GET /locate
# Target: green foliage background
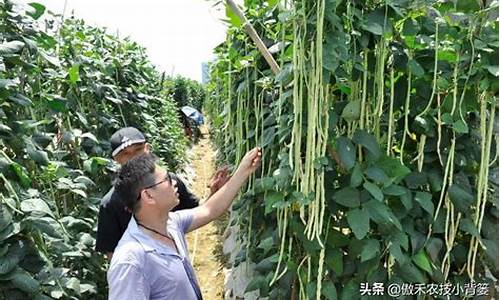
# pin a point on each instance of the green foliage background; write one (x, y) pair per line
(63, 91)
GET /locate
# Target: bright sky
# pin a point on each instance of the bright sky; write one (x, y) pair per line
(179, 34)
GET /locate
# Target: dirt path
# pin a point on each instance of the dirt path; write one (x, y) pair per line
(205, 244)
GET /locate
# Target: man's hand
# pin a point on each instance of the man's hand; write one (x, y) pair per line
(219, 179)
(250, 162)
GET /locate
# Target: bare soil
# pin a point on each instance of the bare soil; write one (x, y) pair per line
(205, 244)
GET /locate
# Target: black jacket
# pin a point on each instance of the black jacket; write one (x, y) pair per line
(113, 217)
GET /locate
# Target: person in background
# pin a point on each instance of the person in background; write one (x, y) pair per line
(151, 260)
(113, 219)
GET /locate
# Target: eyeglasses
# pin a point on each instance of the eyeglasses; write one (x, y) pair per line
(167, 178)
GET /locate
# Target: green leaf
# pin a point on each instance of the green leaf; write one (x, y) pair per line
(272, 198)
(380, 213)
(334, 260)
(350, 291)
(233, 18)
(374, 190)
(359, 222)
(38, 12)
(368, 141)
(10, 261)
(21, 173)
(371, 249)
(346, 152)
(328, 290)
(460, 127)
(37, 206)
(25, 282)
(422, 261)
(73, 284)
(493, 70)
(356, 176)
(468, 226)
(433, 246)
(394, 190)
(351, 111)
(74, 73)
(377, 175)
(425, 201)
(491, 250)
(256, 283)
(20, 99)
(5, 217)
(460, 198)
(393, 168)
(347, 196)
(395, 251)
(11, 47)
(50, 59)
(374, 23)
(415, 68)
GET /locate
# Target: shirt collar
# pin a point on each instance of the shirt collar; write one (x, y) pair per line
(148, 243)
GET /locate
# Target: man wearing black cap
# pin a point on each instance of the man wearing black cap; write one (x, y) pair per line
(113, 220)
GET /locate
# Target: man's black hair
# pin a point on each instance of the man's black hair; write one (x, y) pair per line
(133, 176)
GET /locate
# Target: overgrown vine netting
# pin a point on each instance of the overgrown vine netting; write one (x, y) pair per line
(380, 138)
(63, 92)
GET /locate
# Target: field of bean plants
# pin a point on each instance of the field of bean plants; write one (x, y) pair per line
(379, 133)
(64, 89)
(380, 138)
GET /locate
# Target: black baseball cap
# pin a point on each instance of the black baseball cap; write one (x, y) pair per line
(125, 137)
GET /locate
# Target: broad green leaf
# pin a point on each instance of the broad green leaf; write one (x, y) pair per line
(351, 111)
(356, 176)
(347, 196)
(256, 283)
(400, 257)
(328, 290)
(74, 73)
(73, 284)
(50, 59)
(39, 9)
(422, 261)
(5, 217)
(380, 213)
(493, 70)
(375, 23)
(491, 250)
(425, 201)
(36, 205)
(346, 152)
(21, 173)
(233, 18)
(25, 282)
(334, 259)
(359, 222)
(415, 68)
(10, 261)
(468, 226)
(371, 249)
(374, 190)
(272, 198)
(350, 291)
(433, 246)
(11, 47)
(393, 168)
(378, 175)
(368, 141)
(460, 127)
(394, 190)
(460, 198)
(20, 99)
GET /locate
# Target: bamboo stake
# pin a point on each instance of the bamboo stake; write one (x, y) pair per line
(254, 36)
